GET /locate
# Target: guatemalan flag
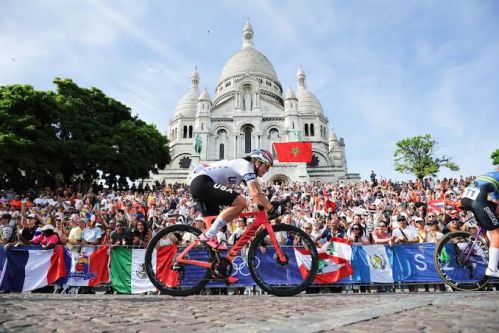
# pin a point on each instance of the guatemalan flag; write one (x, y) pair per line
(30, 268)
(374, 263)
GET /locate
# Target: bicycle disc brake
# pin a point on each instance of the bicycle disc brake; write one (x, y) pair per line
(222, 268)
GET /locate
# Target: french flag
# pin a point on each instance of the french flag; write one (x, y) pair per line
(30, 268)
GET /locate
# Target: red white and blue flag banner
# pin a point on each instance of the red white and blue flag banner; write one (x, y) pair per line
(32, 268)
(436, 206)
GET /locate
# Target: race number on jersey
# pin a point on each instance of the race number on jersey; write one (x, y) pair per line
(471, 193)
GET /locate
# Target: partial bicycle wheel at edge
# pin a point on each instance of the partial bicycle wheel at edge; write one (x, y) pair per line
(283, 278)
(460, 262)
(165, 273)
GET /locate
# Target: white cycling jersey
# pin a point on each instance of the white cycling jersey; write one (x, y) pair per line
(226, 172)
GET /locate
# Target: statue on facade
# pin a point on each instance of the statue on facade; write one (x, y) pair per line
(198, 145)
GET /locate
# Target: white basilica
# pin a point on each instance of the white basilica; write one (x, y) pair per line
(249, 109)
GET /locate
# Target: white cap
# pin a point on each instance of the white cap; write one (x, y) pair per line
(48, 227)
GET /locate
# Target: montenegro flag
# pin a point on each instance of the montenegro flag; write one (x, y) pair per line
(294, 151)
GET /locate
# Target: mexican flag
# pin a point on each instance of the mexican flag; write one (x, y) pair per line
(334, 261)
(89, 269)
(128, 274)
(294, 151)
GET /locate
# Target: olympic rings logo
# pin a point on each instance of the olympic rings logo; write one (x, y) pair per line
(240, 266)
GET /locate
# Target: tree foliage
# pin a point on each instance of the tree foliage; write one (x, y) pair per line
(73, 132)
(495, 157)
(417, 155)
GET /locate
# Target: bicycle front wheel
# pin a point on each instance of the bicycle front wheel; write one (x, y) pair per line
(168, 275)
(461, 260)
(286, 278)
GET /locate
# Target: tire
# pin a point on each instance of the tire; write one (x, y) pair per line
(191, 278)
(259, 262)
(459, 268)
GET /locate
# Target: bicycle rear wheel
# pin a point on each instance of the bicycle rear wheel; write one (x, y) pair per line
(165, 273)
(283, 278)
(461, 260)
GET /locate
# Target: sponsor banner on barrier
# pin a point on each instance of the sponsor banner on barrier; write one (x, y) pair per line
(414, 263)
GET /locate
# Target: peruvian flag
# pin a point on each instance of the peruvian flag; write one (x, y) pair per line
(294, 151)
(89, 269)
(334, 261)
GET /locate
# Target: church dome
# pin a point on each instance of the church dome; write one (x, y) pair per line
(248, 60)
(187, 105)
(290, 93)
(307, 102)
(204, 96)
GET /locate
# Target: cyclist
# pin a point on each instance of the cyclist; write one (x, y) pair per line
(210, 185)
(476, 199)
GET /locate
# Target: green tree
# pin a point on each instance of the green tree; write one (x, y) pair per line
(73, 132)
(495, 157)
(416, 156)
(99, 133)
(28, 143)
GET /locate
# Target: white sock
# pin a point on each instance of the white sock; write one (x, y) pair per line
(493, 258)
(215, 226)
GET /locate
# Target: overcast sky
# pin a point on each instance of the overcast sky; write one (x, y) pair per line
(382, 70)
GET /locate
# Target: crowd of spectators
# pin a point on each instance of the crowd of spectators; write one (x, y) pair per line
(368, 212)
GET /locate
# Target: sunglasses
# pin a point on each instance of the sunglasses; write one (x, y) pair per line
(355, 229)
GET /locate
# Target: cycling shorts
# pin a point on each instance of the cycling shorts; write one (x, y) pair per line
(211, 195)
(484, 210)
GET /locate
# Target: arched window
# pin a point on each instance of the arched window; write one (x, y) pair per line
(273, 134)
(312, 130)
(221, 153)
(190, 131)
(306, 129)
(247, 138)
(185, 132)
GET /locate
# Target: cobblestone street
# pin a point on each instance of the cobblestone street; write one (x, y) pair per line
(418, 312)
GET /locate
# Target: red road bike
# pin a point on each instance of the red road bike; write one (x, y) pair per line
(190, 264)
